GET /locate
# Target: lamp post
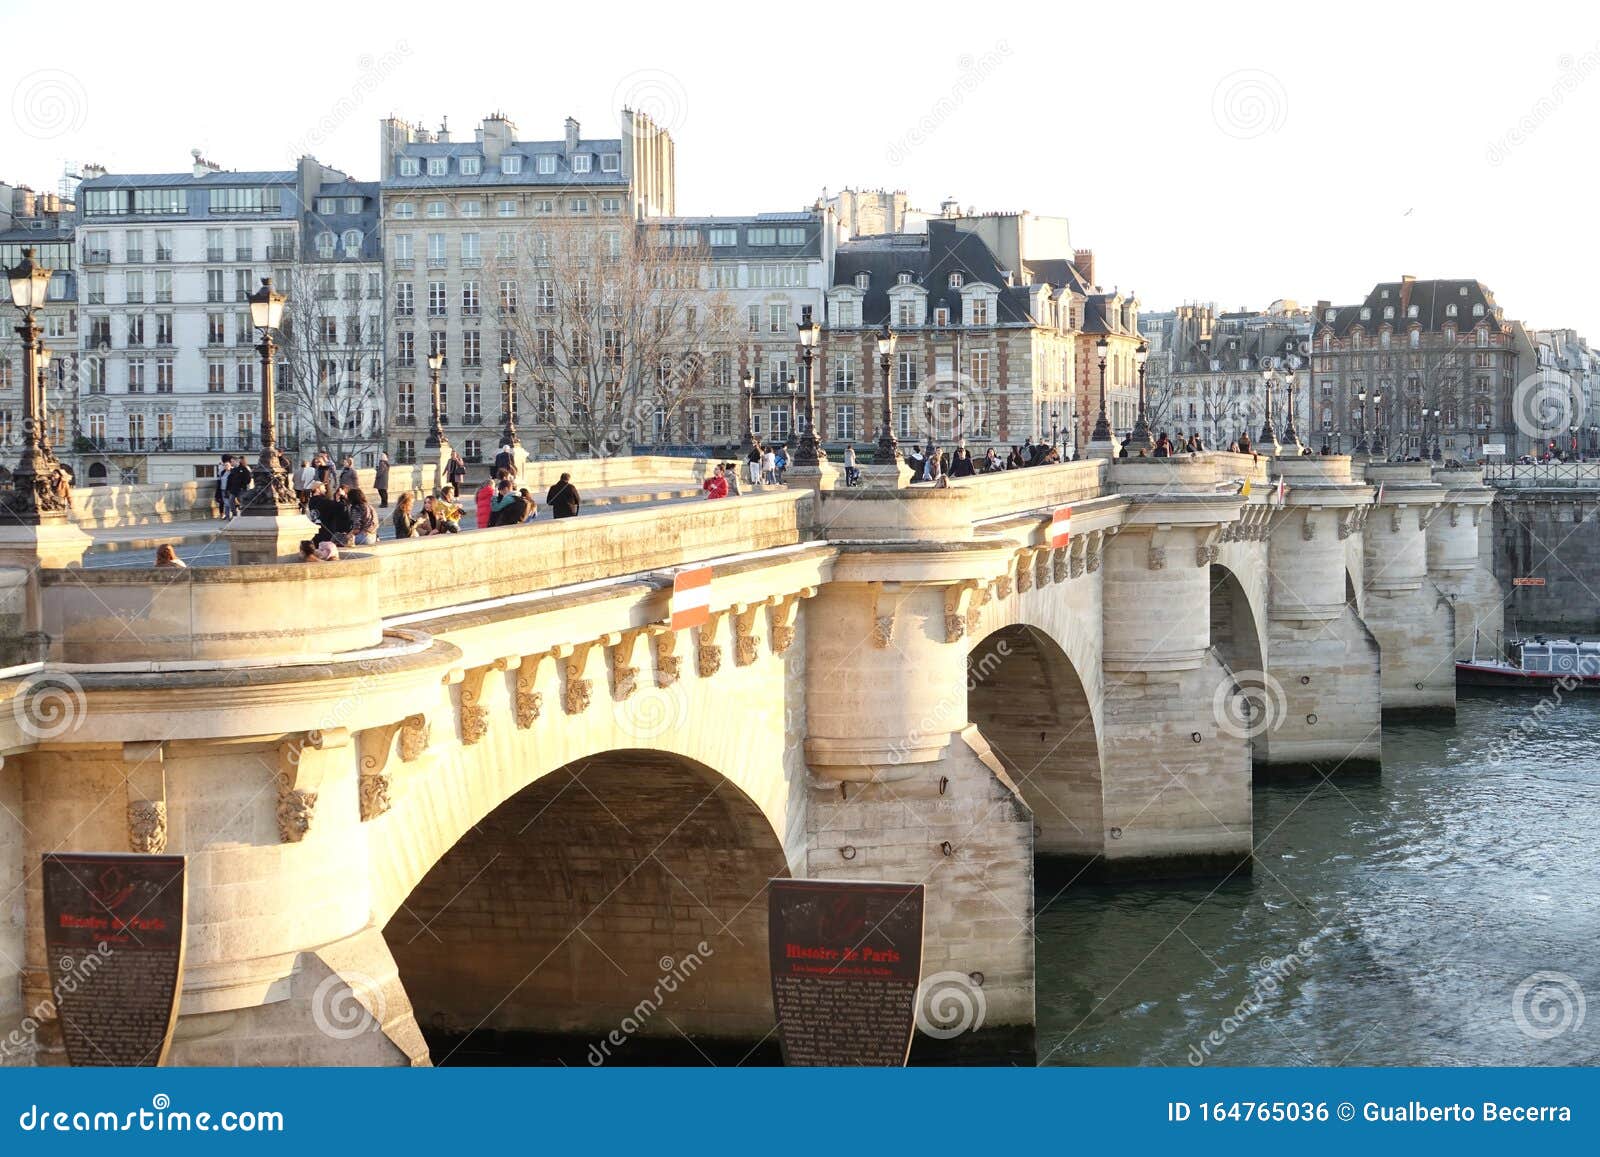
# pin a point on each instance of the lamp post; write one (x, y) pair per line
(42, 356)
(888, 446)
(508, 436)
(271, 491)
(961, 421)
(794, 420)
(748, 389)
(1290, 435)
(1140, 438)
(1269, 436)
(1055, 426)
(1378, 445)
(32, 498)
(1102, 424)
(810, 452)
(436, 438)
(1361, 400)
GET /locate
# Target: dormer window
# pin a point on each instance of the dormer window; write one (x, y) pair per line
(352, 243)
(863, 280)
(325, 244)
(1388, 310)
(1384, 294)
(510, 164)
(1411, 311)
(955, 281)
(1416, 338)
(1450, 310)
(1330, 315)
(438, 166)
(580, 162)
(902, 279)
(408, 166)
(941, 316)
(1477, 310)
(610, 162)
(1366, 313)
(1463, 291)
(546, 164)
(471, 166)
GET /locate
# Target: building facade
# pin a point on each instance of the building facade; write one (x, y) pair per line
(43, 222)
(986, 319)
(169, 373)
(483, 238)
(1419, 366)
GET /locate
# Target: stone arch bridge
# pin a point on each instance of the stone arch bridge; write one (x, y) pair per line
(466, 786)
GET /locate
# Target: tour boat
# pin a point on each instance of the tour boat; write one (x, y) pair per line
(1535, 664)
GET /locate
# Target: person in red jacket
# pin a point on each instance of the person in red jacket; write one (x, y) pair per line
(717, 485)
(484, 496)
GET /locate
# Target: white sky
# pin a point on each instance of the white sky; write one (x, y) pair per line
(1228, 152)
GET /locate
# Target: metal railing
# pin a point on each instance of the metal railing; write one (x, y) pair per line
(1533, 474)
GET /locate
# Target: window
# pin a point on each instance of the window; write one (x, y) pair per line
(505, 207)
(469, 299)
(546, 163)
(544, 205)
(471, 348)
(511, 164)
(610, 162)
(438, 209)
(438, 166)
(242, 199)
(980, 367)
(136, 376)
(1411, 311)
(846, 313)
(546, 300)
(980, 310)
(163, 375)
(505, 246)
(136, 329)
(244, 377)
(955, 281)
(843, 373)
(327, 205)
(471, 166)
(404, 299)
(136, 431)
(1366, 313)
(408, 167)
(216, 329)
(761, 237)
(405, 348)
(325, 244)
(905, 313)
(778, 318)
(471, 254)
(471, 208)
(610, 204)
(508, 297)
(581, 162)
(437, 301)
(436, 343)
(164, 285)
(902, 279)
(163, 329)
(907, 376)
(577, 204)
(1416, 338)
(216, 377)
(844, 422)
(404, 211)
(352, 242)
(1477, 310)
(941, 316)
(791, 236)
(436, 250)
(167, 201)
(717, 238)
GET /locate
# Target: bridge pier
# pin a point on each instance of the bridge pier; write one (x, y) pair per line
(1410, 617)
(1459, 536)
(1319, 708)
(904, 788)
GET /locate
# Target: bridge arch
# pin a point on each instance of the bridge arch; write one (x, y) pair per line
(618, 899)
(1025, 695)
(1237, 623)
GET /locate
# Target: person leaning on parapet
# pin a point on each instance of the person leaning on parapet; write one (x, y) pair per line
(167, 557)
(716, 486)
(562, 498)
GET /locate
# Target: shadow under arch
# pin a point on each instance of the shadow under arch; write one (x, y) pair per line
(1235, 629)
(1026, 697)
(612, 911)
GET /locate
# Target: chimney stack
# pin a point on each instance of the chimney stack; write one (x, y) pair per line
(572, 136)
(1083, 262)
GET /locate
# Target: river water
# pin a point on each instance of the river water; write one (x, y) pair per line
(1399, 919)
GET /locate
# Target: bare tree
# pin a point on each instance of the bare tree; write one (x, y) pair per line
(614, 332)
(324, 353)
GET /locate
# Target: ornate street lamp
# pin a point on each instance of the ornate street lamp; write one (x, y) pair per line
(1055, 426)
(794, 397)
(961, 420)
(810, 452)
(508, 436)
(1140, 438)
(33, 497)
(1269, 436)
(888, 446)
(1102, 424)
(1290, 435)
(436, 438)
(42, 356)
(748, 390)
(1361, 399)
(271, 491)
